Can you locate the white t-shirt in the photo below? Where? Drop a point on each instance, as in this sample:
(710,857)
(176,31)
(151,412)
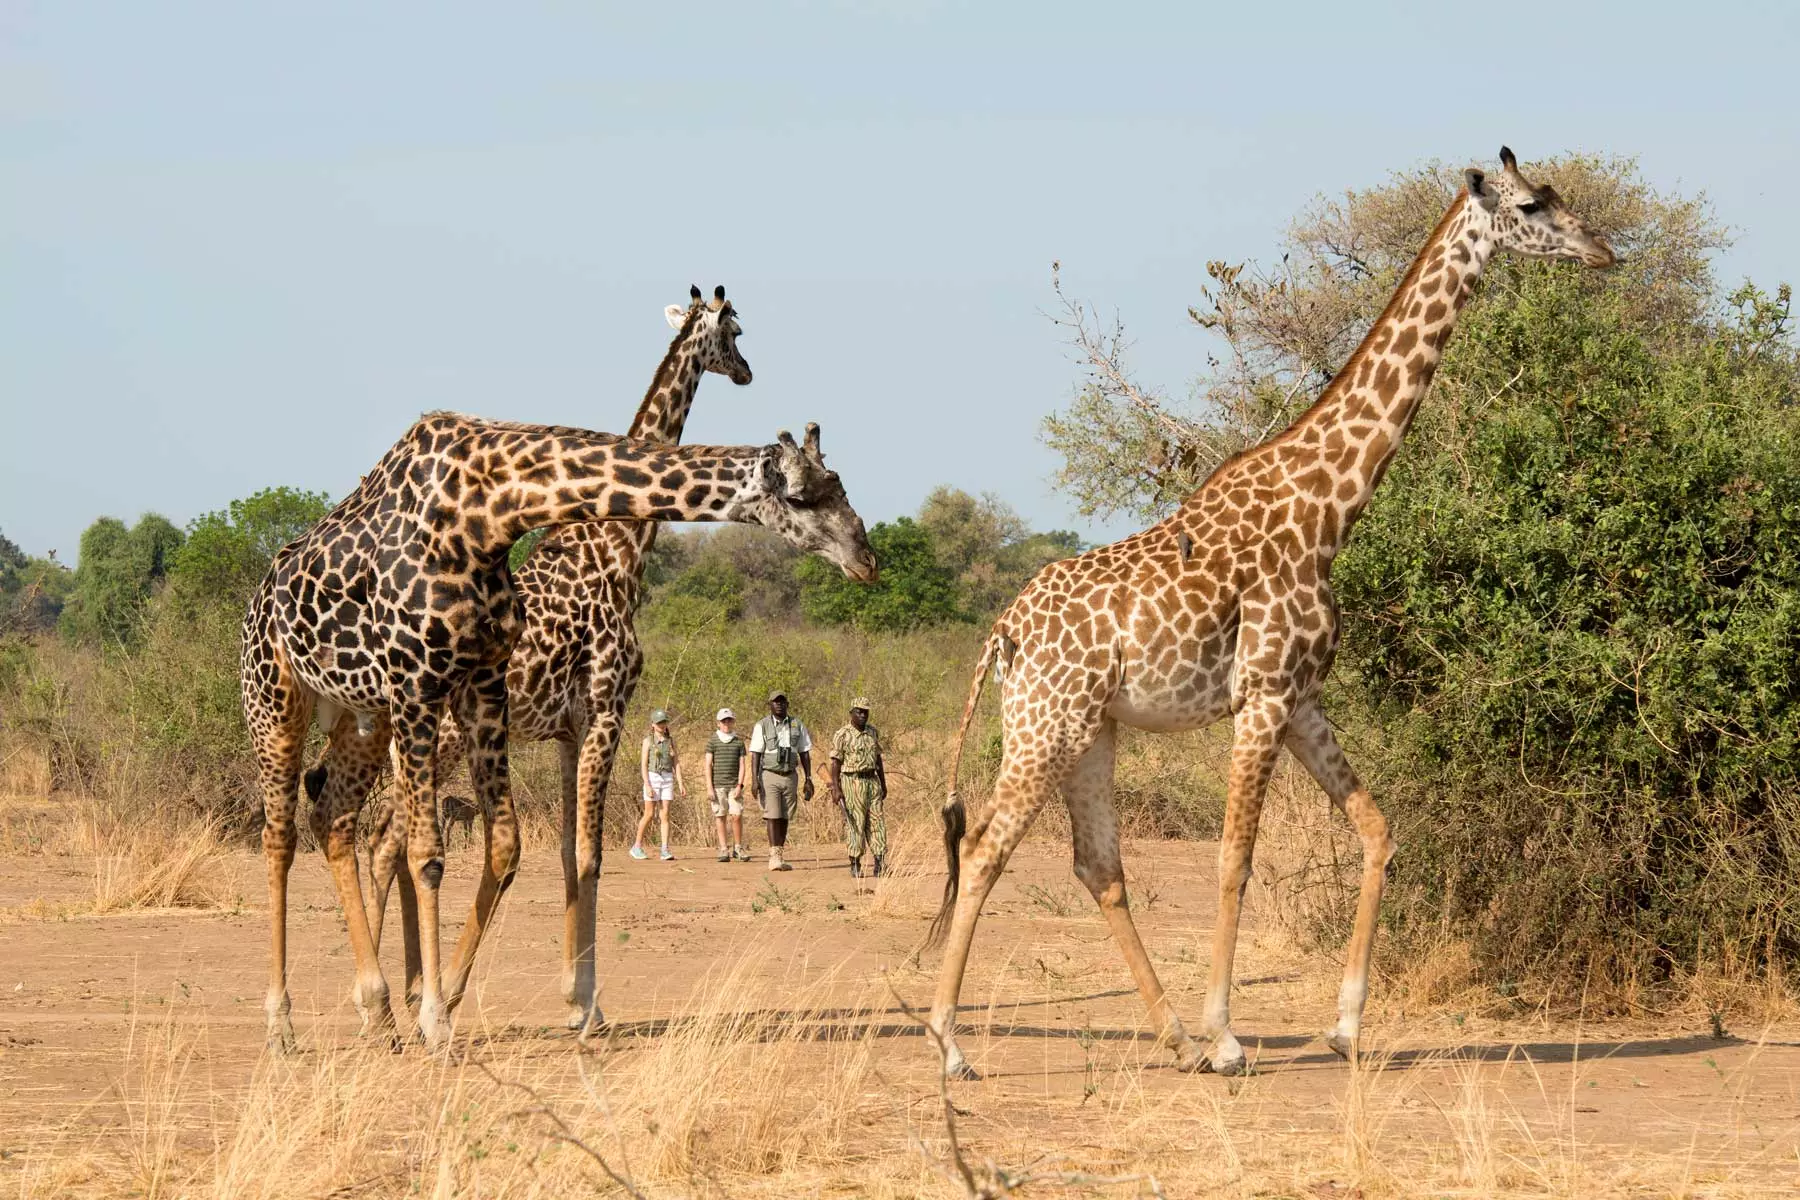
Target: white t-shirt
(790,733)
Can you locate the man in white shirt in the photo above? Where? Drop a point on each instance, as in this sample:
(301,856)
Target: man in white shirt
(779,746)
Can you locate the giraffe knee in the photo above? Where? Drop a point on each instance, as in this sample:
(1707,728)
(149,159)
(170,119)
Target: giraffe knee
(1378,842)
(1106,882)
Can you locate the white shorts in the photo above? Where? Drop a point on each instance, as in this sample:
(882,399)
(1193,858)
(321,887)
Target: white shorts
(661,789)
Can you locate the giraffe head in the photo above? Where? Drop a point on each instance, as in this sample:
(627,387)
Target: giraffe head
(710,331)
(801,499)
(1531,219)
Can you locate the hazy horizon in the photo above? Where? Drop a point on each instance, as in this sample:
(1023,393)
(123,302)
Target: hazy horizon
(245,248)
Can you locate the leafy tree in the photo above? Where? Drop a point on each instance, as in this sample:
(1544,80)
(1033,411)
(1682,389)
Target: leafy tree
(1572,611)
(228,551)
(986,544)
(115,575)
(915,589)
(32,590)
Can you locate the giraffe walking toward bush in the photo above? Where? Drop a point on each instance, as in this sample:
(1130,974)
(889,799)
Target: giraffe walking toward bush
(577,661)
(1225,608)
(399,602)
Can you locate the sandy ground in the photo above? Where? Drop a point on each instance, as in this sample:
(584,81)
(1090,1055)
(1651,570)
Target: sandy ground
(1050,1014)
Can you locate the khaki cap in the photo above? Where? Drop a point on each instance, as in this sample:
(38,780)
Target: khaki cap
(861,702)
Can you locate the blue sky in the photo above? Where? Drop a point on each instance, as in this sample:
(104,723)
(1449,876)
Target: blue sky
(244,245)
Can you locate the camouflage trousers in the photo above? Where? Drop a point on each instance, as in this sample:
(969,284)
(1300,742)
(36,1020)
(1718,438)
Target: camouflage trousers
(862,805)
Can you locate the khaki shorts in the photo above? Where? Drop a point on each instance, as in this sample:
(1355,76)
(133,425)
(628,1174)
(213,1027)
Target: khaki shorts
(779,795)
(726,799)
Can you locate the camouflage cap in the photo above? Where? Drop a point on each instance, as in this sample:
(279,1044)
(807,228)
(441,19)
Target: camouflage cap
(861,702)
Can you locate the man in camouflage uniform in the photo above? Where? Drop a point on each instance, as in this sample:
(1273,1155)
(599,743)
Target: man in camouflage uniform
(859,784)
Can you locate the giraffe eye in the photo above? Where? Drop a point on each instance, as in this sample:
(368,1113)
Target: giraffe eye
(1529,207)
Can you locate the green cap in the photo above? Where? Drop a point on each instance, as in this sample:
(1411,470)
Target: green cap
(659,717)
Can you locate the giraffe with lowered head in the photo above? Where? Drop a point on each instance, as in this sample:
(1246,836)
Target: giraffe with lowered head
(577,660)
(399,602)
(1225,609)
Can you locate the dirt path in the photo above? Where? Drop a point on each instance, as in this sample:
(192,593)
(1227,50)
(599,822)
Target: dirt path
(1049,1007)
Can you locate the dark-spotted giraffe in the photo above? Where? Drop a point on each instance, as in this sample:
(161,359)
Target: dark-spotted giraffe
(577,662)
(1225,609)
(400,602)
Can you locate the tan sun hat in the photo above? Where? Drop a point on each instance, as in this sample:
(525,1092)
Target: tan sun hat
(861,702)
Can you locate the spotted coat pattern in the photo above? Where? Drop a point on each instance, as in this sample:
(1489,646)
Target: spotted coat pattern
(577,662)
(400,603)
(1225,610)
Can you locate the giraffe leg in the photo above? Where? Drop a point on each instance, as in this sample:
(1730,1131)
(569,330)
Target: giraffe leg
(1027,780)
(481,712)
(415,742)
(387,857)
(568,760)
(387,850)
(1259,728)
(353,763)
(278,714)
(1311,740)
(599,749)
(1095,823)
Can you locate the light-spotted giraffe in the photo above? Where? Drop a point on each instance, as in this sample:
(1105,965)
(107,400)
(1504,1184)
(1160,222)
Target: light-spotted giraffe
(577,662)
(400,602)
(1225,608)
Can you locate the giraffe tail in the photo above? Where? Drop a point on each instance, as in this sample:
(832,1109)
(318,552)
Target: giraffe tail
(955,813)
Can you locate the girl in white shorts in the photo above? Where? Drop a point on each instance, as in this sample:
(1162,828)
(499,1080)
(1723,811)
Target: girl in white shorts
(660,768)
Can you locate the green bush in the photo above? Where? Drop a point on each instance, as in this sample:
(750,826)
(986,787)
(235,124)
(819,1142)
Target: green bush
(115,576)
(226,553)
(915,590)
(1575,610)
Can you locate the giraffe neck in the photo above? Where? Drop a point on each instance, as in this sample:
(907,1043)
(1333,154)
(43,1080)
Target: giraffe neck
(513,478)
(664,410)
(660,418)
(1357,425)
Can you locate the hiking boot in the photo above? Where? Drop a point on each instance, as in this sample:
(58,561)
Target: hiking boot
(741,853)
(776,862)
(880,867)
(856,868)
(724,854)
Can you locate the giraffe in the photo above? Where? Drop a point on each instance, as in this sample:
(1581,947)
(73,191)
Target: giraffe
(400,601)
(1224,609)
(577,661)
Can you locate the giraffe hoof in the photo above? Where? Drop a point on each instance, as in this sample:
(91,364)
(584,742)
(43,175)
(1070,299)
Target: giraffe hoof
(281,1042)
(958,1070)
(1228,1067)
(1190,1060)
(1344,1047)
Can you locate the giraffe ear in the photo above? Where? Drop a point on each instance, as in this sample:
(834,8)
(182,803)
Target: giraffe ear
(1479,191)
(676,314)
(812,442)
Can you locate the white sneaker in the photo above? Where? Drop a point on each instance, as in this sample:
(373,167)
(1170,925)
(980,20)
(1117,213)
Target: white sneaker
(638,852)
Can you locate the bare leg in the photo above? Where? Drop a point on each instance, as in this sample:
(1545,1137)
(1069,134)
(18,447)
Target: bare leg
(415,739)
(1095,822)
(662,813)
(568,761)
(1259,727)
(644,823)
(481,711)
(278,714)
(599,748)
(1026,781)
(354,760)
(1311,740)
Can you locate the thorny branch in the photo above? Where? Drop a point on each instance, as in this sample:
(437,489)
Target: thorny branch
(989,1180)
(561,1131)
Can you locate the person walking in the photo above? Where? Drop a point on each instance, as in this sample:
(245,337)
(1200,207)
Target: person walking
(727,769)
(660,767)
(859,786)
(780,746)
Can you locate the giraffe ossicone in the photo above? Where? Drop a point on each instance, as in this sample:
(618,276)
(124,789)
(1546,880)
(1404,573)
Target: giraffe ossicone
(1222,610)
(400,603)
